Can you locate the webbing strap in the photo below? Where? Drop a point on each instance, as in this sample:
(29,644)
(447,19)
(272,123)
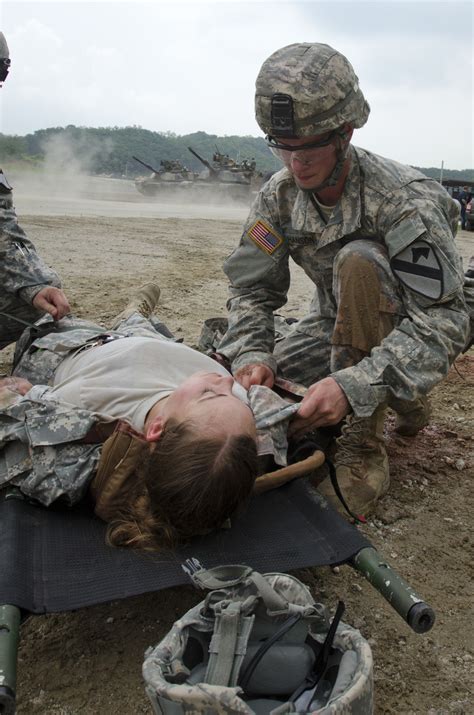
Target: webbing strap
(273,601)
(228,646)
(220,576)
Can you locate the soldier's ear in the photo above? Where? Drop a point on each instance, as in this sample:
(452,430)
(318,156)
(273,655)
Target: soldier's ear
(155,428)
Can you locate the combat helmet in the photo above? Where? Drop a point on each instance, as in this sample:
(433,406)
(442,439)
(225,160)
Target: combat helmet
(308,89)
(4,58)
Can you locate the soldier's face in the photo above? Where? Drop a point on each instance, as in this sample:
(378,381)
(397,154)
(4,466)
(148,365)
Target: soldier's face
(207,400)
(309,166)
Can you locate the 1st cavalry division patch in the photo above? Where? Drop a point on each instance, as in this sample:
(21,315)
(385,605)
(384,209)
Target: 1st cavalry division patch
(418,267)
(264,237)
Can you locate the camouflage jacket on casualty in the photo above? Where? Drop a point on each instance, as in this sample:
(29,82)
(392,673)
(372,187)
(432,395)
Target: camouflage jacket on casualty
(40,447)
(382,201)
(22,272)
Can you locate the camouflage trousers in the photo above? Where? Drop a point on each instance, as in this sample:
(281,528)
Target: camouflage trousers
(364,306)
(12,327)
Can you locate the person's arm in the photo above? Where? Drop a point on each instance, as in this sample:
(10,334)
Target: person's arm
(22,272)
(417,354)
(259,277)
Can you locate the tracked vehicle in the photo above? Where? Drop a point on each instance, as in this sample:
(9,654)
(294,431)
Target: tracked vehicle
(169,174)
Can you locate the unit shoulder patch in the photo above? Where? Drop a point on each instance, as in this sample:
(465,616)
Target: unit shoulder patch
(419,268)
(265,237)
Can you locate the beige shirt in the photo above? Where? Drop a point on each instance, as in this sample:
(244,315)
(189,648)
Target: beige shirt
(123,379)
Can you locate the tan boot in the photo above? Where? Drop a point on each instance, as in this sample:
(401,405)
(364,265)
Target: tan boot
(143,301)
(361,464)
(412,416)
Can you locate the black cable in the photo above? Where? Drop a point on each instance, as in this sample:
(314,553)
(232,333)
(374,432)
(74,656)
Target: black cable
(266,645)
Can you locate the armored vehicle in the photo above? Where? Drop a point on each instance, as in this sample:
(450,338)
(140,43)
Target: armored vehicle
(226,177)
(164,178)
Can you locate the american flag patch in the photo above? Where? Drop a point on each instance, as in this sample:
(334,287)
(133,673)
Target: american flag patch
(264,237)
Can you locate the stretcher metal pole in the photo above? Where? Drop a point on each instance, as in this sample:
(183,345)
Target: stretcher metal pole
(9,635)
(418,614)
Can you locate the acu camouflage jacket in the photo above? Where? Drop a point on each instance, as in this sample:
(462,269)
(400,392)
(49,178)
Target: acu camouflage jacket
(382,201)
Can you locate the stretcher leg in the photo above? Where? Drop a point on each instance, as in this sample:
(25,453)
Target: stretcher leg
(9,634)
(418,614)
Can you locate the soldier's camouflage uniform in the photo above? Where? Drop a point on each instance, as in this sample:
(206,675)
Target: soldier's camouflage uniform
(396,342)
(22,272)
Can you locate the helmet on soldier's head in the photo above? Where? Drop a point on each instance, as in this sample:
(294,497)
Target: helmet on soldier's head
(4,58)
(308,89)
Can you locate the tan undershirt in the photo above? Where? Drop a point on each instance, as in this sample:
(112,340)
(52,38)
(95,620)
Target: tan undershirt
(123,379)
(325,210)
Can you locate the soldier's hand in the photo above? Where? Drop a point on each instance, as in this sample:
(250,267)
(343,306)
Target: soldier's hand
(52,300)
(323,404)
(15,384)
(255,374)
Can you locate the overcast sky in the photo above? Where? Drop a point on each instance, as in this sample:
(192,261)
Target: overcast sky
(189,66)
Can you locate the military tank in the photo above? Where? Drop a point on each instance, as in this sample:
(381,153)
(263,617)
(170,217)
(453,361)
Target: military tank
(225,177)
(170,174)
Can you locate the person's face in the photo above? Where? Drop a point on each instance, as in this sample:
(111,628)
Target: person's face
(309,165)
(206,399)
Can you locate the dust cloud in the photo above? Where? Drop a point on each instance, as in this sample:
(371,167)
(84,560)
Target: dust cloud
(64,185)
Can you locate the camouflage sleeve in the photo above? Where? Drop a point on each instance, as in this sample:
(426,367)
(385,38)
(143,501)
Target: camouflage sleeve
(259,277)
(22,271)
(417,354)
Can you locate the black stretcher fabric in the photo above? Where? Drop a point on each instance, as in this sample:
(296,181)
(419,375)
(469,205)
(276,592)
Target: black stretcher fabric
(57,560)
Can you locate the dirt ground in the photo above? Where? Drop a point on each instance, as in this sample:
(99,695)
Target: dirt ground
(104,240)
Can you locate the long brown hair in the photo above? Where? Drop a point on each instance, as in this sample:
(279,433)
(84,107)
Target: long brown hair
(187,485)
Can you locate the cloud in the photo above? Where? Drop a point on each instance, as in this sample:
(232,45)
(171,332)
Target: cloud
(192,66)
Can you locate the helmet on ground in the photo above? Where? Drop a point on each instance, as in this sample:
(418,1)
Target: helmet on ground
(308,89)
(258,644)
(4,58)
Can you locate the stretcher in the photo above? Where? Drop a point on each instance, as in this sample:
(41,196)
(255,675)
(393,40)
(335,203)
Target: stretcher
(56,559)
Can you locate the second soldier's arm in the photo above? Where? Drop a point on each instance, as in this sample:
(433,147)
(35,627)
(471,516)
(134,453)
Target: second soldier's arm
(22,272)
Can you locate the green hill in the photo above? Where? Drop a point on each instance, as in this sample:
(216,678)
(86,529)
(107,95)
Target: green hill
(109,150)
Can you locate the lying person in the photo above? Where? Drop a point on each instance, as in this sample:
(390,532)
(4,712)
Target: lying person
(194,435)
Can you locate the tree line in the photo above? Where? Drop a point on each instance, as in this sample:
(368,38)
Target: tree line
(109,150)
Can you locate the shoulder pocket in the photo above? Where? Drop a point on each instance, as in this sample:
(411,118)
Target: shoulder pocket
(249,263)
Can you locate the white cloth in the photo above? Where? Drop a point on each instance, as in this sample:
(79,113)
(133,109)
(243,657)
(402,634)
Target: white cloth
(123,379)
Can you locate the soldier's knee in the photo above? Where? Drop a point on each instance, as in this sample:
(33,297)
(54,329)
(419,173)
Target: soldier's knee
(360,260)
(361,250)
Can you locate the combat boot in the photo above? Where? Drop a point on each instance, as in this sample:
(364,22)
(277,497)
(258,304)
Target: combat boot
(143,301)
(361,464)
(412,416)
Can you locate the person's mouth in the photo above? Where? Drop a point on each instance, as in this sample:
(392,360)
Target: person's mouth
(303,177)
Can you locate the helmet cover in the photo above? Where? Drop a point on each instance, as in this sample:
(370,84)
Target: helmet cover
(308,89)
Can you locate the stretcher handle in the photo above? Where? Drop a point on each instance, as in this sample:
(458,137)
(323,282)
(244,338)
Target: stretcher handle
(271,480)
